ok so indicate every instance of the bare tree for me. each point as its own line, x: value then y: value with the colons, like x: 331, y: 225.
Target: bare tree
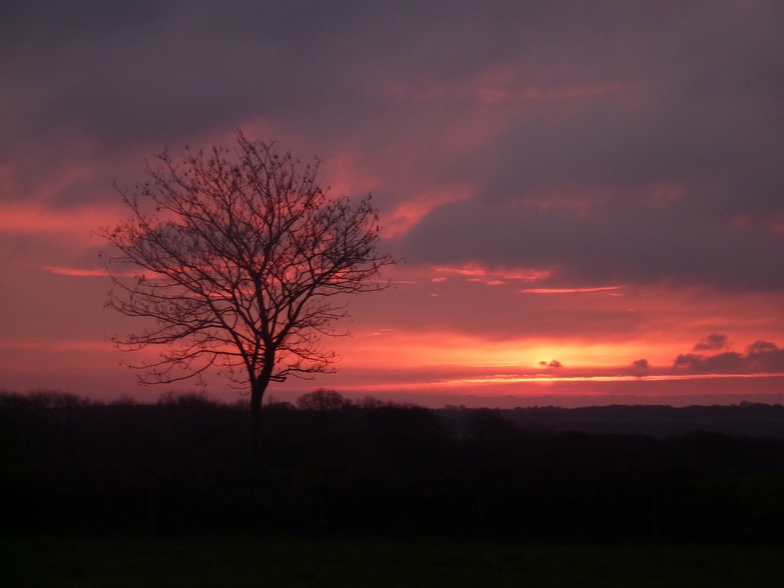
x: 242, y: 262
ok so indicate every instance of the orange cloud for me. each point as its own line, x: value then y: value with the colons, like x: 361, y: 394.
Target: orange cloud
x: 80, y: 272
x: 492, y: 277
x: 568, y: 290
x: 73, y: 271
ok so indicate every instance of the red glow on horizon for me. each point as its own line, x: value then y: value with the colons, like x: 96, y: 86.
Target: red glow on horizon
x: 500, y: 379
x: 506, y: 379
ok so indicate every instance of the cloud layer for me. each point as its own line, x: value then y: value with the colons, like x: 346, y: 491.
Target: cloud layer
x: 560, y: 174
x: 610, y: 141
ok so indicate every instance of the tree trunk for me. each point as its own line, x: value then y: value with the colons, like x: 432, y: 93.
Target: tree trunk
x: 258, y: 387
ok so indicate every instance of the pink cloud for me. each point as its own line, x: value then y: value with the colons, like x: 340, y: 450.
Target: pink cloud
x: 77, y: 224
x: 408, y: 214
x: 345, y: 176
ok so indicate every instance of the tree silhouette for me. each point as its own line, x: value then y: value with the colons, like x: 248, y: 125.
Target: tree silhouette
x: 322, y: 400
x: 242, y: 261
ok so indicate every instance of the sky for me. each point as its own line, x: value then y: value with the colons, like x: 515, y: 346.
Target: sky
x: 588, y: 196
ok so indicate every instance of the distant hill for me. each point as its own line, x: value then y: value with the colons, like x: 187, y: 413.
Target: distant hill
x: 747, y: 419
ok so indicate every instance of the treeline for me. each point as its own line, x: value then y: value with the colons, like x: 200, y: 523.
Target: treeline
x: 333, y: 467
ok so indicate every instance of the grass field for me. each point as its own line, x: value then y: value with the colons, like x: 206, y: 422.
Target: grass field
x: 227, y: 562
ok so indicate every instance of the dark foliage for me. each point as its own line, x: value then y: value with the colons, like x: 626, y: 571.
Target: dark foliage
x: 374, y: 470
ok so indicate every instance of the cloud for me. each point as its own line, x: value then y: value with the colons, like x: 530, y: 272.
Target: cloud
x: 615, y: 243
x: 617, y: 147
x: 711, y: 342
x: 598, y: 144
x: 639, y: 368
x: 474, y: 272
x: 96, y: 272
x: 761, y: 357
x: 761, y: 347
x: 73, y: 271
x: 568, y: 290
x: 552, y: 364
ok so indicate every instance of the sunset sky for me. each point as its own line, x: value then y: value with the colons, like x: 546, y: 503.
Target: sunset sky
x: 589, y: 196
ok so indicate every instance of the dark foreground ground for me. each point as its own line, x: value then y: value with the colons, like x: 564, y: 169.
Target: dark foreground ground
x: 151, y: 563
x: 375, y: 494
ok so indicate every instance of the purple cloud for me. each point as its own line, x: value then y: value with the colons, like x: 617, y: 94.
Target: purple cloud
x: 552, y: 364
x: 631, y: 143
x: 711, y: 342
x: 761, y: 357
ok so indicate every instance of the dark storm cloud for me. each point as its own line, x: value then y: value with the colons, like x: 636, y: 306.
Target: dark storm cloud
x: 613, y: 141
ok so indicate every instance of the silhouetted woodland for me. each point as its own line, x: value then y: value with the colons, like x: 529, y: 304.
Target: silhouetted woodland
x: 333, y: 467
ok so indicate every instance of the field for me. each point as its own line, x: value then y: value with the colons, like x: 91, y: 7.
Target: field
x: 203, y: 562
